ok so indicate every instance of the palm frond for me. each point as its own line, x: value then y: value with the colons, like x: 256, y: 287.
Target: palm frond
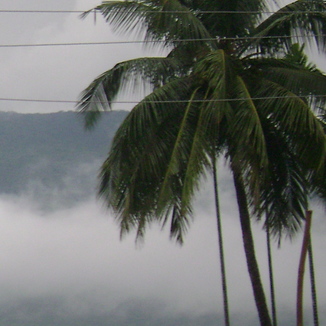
x: 162, y: 21
x: 284, y: 193
x: 231, y: 18
x: 247, y: 146
x: 293, y: 116
x: 298, y: 22
x: 100, y: 94
x: 215, y: 74
x: 306, y: 82
x: 186, y: 165
x: 178, y: 156
x: 133, y: 172
x: 231, y: 102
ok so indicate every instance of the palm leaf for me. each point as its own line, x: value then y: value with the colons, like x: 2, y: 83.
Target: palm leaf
x: 298, y: 22
x: 187, y: 163
x: 132, y: 174
x: 247, y: 144
x: 307, y: 82
x: 178, y: 156
x: 293, y: 116
x: 284, y: 194
x: 162, y: 21
x: 229, y: 18
x: 100, y: 94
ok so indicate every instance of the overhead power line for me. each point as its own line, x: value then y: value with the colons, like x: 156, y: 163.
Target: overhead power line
x: 8, y: 99
x: 159, y: 41
x: 4, y: 11
x: 13, y: 11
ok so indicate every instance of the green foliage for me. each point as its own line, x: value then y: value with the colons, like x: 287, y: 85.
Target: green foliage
x: 100, y: 94
x: 167, y: 21
x: 298, y: 22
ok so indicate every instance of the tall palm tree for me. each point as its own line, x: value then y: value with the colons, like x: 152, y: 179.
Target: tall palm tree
x: 224, y: 85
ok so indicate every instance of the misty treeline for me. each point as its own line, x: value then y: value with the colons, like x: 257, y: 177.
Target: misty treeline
x: 46, y: 152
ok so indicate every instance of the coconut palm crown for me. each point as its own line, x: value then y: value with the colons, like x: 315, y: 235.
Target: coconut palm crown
x: 226, y: 88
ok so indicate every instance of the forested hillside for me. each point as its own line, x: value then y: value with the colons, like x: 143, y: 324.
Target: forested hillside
x: 47, y: 154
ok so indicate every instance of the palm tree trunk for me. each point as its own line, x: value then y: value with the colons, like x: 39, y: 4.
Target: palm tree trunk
x: 313, y: 284
x: 271, y: 273
x: 304, y: 249
x: 221, y: 247
x: 249, y: 249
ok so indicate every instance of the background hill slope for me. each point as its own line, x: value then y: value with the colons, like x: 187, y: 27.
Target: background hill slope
x: 51, y: 157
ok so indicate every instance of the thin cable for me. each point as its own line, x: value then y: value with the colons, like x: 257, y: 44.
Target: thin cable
x: 4, y: 11
x: 157, y: 41
x: 158, y: 101
x: 41, y: 11
x: 8, y: 99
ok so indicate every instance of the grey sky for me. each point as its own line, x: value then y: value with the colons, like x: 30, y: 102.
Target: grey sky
x: 74, y: 255
x: 58, y: 73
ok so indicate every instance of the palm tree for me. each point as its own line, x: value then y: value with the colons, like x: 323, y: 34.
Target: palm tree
x: 224, y: 86
x: 292, y: 190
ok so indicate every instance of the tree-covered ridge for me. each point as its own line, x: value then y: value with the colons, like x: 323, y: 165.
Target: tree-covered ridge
x: 43, y: 150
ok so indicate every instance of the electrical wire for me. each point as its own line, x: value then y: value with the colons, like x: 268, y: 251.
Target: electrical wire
x: 158, y: 101
x: 5, y: 11
x: 160, y: 41
x: 8, y: 11
x: 146, y: 41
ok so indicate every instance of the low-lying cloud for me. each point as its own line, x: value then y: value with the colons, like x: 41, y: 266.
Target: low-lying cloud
x: 71, y: 259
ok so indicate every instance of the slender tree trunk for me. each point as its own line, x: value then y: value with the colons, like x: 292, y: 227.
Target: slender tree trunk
x: 249, y: 249
x: 304, y: 250
x: 221, y: 248
x: 271, y: 273
x: 313, y: 284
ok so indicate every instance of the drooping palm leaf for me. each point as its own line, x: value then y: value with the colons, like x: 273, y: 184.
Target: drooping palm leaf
x: 162, y: 21
x: 140, y: 153
x: 298, y: 22
x: 187, y: 164
x: 247, y: 144
x: 292, y: 115
x: 284, y: 194
x: 100, y: 94
x: 310, y: 85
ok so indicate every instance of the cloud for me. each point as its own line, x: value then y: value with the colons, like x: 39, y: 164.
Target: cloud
x: 74, y: 257
x: 76, y: 184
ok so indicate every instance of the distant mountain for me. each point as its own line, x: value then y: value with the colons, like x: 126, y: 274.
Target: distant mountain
x: 51, y: 157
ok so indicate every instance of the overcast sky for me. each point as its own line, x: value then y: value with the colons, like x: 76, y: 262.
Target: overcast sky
x: 72, y: 258
x: 54, y: 72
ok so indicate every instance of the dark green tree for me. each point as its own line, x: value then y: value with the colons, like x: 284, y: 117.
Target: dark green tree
x: 223, y: 89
